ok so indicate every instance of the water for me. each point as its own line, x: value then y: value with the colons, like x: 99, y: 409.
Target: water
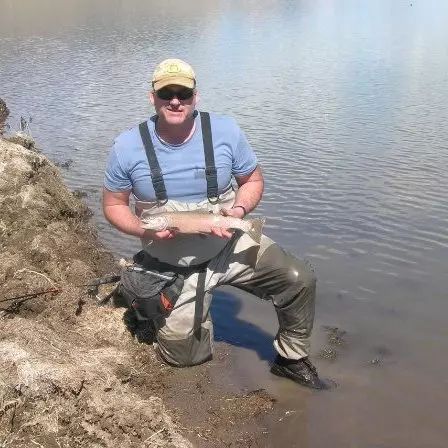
x: 345, y: 104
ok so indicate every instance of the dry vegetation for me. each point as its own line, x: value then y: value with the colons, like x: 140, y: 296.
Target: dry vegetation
x: 62, y: 359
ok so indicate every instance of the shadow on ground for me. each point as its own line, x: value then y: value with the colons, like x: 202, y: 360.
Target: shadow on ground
x: 231, y: 329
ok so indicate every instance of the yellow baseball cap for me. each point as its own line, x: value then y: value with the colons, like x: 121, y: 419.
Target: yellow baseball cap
x: 173, y: 71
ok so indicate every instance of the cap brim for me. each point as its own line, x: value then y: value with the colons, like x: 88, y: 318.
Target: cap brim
x: 174, y: 80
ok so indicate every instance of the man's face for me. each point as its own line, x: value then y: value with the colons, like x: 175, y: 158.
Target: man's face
x: 174, y: 104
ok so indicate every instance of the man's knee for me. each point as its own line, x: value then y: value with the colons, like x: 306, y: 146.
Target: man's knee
x: 189, y: 349
x: 302, y: 273
x: 284, y: 272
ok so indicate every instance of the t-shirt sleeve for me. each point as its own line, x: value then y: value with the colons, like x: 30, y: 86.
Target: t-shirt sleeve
x: 115, y: 177
x: 244, y: 158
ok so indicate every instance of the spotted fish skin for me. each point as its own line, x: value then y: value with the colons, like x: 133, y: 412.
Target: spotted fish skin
x: 201, y: 222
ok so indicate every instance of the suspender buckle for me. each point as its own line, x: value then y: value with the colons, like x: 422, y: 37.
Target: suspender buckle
x: 213, y: 199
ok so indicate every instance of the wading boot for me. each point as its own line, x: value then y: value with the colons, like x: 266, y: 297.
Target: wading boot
x: 143, y: 330
x: 300, y: 371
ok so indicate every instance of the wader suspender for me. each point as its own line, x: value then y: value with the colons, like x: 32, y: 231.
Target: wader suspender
x: 210, y: 167
x: 156, y: 172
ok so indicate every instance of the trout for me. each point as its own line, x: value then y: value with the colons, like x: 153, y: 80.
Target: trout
x: 201, y: 222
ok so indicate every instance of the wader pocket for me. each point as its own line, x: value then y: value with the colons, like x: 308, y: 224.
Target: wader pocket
x: 149, y: 295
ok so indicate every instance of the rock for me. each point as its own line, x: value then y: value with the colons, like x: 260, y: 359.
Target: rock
x: 4, y: 113
x: 23, y: 139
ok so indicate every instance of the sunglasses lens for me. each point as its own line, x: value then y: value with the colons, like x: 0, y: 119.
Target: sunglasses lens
x: 164, y: 94
x: 167, y: 94
x: 185, y: 94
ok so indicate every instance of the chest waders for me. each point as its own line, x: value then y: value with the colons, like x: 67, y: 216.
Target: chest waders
x: 185, y: 336
x: 162, y: 198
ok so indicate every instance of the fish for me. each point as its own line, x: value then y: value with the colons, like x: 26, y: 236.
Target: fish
x: 194, y: 222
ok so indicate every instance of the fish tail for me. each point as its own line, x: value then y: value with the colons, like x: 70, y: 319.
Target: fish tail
x: 256, y: 228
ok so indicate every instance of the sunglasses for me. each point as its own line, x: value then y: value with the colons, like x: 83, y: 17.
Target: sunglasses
x: 167, y: 94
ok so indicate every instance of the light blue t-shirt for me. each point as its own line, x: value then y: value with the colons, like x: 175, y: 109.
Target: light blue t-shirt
x: 183, y: 166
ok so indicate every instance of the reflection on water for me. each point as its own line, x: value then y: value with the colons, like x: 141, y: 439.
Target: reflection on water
x: 345, y: 103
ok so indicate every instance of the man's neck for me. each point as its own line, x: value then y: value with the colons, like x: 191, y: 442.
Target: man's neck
x: 175, y: 134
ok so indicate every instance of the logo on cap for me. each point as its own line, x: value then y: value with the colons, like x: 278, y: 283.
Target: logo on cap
x: 173, y: 68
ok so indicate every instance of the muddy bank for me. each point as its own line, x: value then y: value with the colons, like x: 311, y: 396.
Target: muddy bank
x: 71, y: 375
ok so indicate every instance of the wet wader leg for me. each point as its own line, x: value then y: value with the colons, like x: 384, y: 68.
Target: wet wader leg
x: 268, y: 272
x: 290, y: 284
x: 186, y: 338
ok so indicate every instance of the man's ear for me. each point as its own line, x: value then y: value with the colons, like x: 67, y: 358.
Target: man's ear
x: 197, y: 98
x: 151, y: 97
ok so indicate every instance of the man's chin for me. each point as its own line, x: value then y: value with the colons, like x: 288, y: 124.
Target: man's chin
x: 175, y: 119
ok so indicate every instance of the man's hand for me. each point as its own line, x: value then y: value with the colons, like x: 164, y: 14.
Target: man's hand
x: 236, y: 212
x: 117, y: 212
x: 162, y: 235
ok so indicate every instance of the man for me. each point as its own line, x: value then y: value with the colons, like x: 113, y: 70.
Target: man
x: 184, y: 160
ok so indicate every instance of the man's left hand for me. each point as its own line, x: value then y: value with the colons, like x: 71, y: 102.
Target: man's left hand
x: 236, y: 212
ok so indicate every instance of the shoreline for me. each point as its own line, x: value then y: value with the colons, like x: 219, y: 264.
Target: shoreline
x: 71, y: 373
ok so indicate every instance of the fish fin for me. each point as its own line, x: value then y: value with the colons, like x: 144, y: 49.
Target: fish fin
x: 256, y: 228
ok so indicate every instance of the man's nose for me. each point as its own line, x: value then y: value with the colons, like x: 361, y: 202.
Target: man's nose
x: 175, y: 101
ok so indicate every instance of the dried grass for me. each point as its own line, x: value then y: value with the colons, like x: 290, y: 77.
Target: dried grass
x: 59, y: 368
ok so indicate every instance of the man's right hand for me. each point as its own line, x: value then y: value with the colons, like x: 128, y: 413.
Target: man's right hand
x: 117, y: 212
x: 162, y: 235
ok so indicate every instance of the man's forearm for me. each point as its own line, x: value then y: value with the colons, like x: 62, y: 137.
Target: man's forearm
x: 121, y: 217
x: 249, y: 195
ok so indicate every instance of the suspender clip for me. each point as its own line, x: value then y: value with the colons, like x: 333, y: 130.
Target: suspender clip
x: 213, y: 199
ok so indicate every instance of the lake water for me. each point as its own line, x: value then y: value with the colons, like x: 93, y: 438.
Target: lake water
x: 345, y: 103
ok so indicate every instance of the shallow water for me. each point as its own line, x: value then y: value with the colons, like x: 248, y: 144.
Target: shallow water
x: 345, y: 104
